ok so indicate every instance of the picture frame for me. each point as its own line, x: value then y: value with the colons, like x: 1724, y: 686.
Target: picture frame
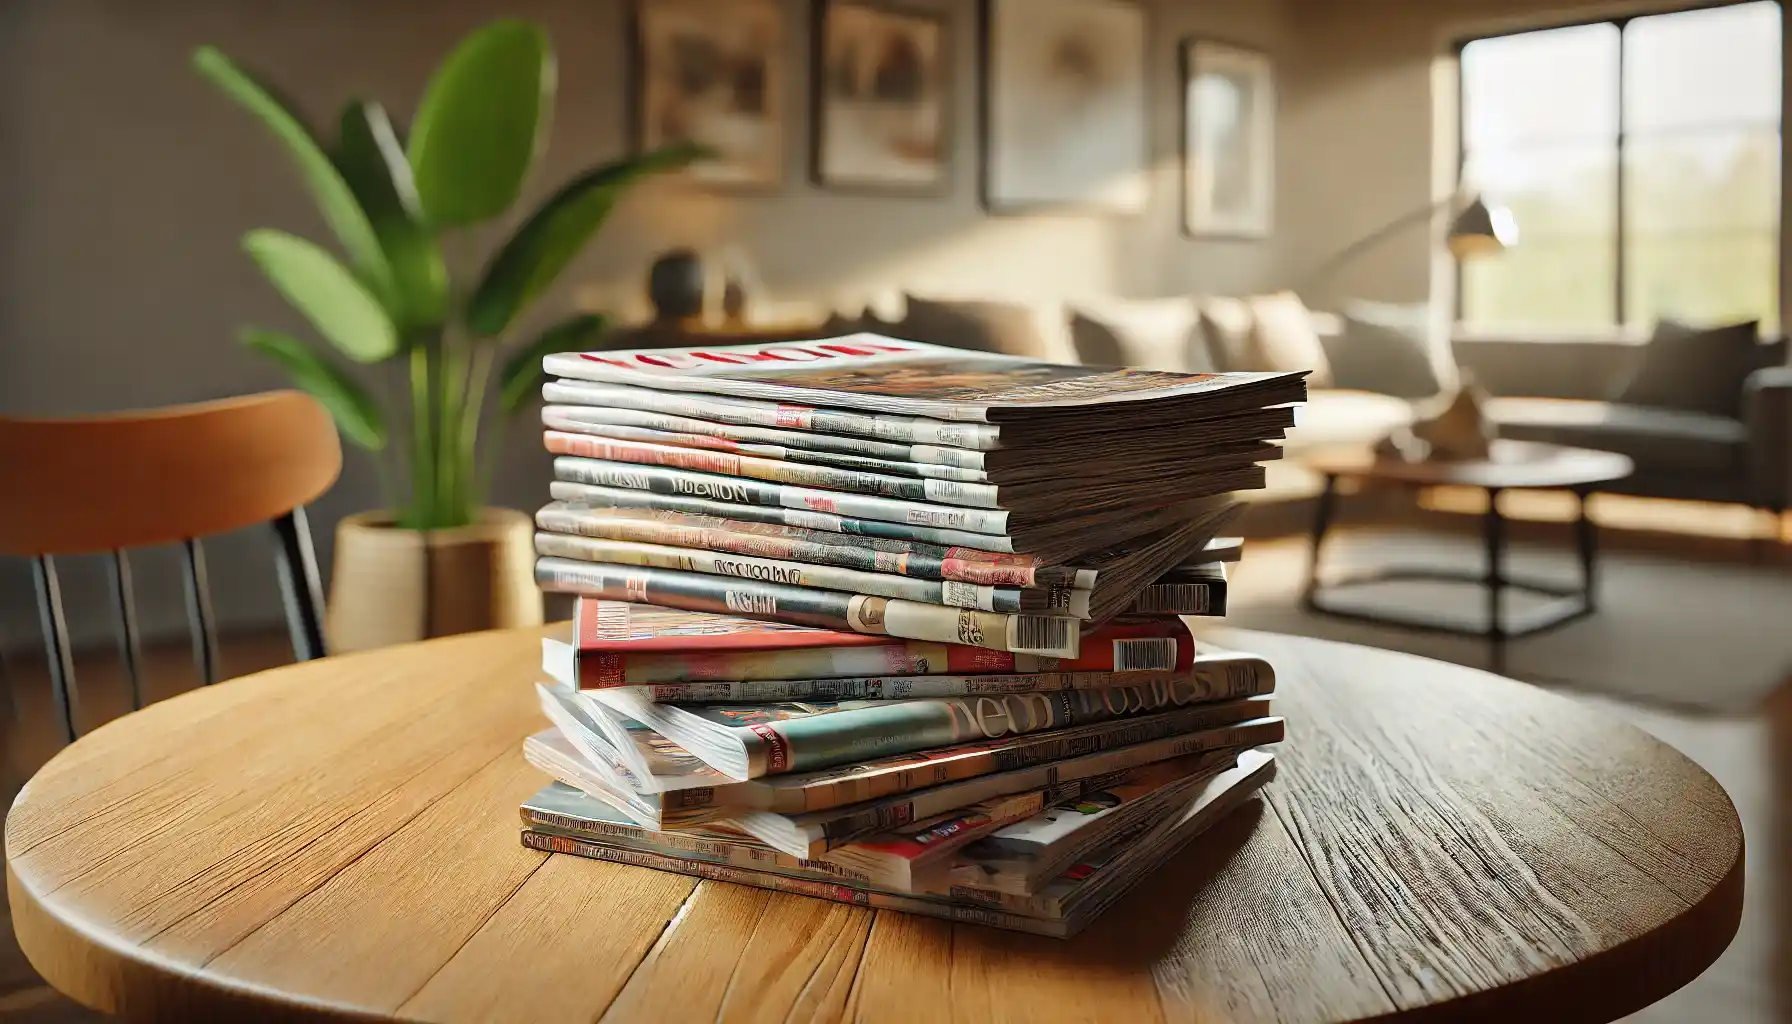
x: 1227, y: 182
x: 1064, y: 107
x: 881, y: 99
x: 714, y: 72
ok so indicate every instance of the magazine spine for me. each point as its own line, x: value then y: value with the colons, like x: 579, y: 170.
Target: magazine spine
x: 800, y: 544
x: 1047, y: 635
x: 748, y: 491
x: 1182, y: 731
x: 799, y: 574
x: 799, y: 474
x: 834, y: 891
x: 891, y: 687
x: 902, y: 428
x: 585, y: 483
x: 825, y: 831
x: 688, y: 845
x: 599, y: 419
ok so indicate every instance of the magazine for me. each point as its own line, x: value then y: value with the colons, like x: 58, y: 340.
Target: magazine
x: 1184, y: 590
x: 1059, y: 601
x: 763, y: 442
x: 682, y: 779
x: 729, y: 464
x: 1062, y: 910
x: 1219, y: 675
x: 951, y: 444
x: 750, y: 740
x: 907, y: 379
x: 1027, y: 855
x: 813, y: 833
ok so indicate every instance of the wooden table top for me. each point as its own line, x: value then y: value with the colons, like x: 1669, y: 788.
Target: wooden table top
x: 1514, y: 464
x: 339, y: 838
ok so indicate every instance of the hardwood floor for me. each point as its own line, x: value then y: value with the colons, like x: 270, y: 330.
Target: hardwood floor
x: 1751, y: 755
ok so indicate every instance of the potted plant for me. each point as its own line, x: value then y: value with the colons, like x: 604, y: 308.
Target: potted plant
x: 410, y: 294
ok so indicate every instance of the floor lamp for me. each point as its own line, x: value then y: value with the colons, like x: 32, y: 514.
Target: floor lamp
x: 1478, y: 229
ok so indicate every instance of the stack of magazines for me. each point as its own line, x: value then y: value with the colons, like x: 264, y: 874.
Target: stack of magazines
x: 897, y: 625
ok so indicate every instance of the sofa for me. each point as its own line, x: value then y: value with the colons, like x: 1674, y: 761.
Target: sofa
x: 1544, y: 388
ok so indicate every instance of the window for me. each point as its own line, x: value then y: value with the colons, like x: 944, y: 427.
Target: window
x: 1641, y: 160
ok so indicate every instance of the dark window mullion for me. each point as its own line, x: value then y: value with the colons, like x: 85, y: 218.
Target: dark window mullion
x: 1618, y: 193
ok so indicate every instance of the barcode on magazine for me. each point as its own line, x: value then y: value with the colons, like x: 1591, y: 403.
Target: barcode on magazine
x: 1149, y: 654
x: 1181, y: 598
x: 1041, y: 633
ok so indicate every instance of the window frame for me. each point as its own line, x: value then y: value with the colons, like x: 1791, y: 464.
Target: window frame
x: 1621, y: 140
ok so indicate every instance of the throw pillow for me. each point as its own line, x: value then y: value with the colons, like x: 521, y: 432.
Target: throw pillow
x: 1696, y: 369
x: 1230, y: 330
x: 977, y: 325
x: 1389, y: 350
x: 1285, y: 336
x: 1151, y: 334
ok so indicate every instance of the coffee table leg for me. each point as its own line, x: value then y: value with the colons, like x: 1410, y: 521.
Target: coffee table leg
x: 1586, y: 536
x: 1494, y: 528
x: 1322, y: 521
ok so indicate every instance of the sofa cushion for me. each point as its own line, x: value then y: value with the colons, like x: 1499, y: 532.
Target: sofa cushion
x: 1285, y: 339
x: 1228, y: 328
x: 978, y: 325
x: 1153, y: 334
x: 1658, y: 440
x: 1389, y: 349
x: 1337, y: 418
x: 1695, y: 369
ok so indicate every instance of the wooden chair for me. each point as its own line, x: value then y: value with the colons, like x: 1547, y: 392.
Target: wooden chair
x: 164, y: 476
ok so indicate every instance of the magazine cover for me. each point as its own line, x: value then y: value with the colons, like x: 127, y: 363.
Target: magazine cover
x: 1185, y: 590
x: 747, y: 740
x: 887, y: 375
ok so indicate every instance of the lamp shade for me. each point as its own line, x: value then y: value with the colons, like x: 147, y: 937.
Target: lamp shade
x: 1481, y: 230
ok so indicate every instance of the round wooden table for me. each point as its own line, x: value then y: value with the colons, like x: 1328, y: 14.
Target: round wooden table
x: 339, y: 838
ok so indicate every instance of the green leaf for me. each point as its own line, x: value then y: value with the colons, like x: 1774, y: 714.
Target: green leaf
x: 476, y: 133
x: 373, y: 163
x: 522, y: 373
x: 333, y: 196
x: 340, y: 307
x: 357, y: 417
x: 554, y: 234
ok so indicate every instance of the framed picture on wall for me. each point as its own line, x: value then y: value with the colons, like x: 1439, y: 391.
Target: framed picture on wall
x: 882, y: 100
x: 1228, y: 141
x: 713, y: 71
x: 1064, y: 107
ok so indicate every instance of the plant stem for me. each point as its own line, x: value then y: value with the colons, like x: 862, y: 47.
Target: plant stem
x: 453, y: 504
x: 421, y: 512
x: 477, y: 385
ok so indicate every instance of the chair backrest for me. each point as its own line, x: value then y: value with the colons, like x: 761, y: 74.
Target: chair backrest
x: 162, y: 476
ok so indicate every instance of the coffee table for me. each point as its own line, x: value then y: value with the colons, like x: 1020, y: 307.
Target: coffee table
x: 1510, y: 465
x: 340, y: 839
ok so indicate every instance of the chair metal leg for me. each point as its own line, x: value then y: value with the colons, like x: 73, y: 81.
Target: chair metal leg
x: 56, y: 643
x: 199, y: 613
x: 129, y: 648
x: 300, y: 590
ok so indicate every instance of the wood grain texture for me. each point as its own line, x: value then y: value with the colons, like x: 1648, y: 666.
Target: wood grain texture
x: 338, y: 840
x: 186, y: 471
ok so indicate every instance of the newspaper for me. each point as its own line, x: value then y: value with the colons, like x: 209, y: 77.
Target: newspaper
x: 1051, y: 635
x: 1064, y: 601
x: 901, y: 379
x: 760, y: 442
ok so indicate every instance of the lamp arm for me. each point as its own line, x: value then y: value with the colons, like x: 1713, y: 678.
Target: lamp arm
x: 1343, y: 256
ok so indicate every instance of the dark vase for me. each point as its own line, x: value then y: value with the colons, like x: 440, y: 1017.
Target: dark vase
x: 675, y: 285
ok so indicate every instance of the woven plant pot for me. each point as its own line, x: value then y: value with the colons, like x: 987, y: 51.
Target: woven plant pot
x: 393, y: 586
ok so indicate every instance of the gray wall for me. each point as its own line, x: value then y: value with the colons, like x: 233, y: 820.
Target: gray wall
x: 125, y: 184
